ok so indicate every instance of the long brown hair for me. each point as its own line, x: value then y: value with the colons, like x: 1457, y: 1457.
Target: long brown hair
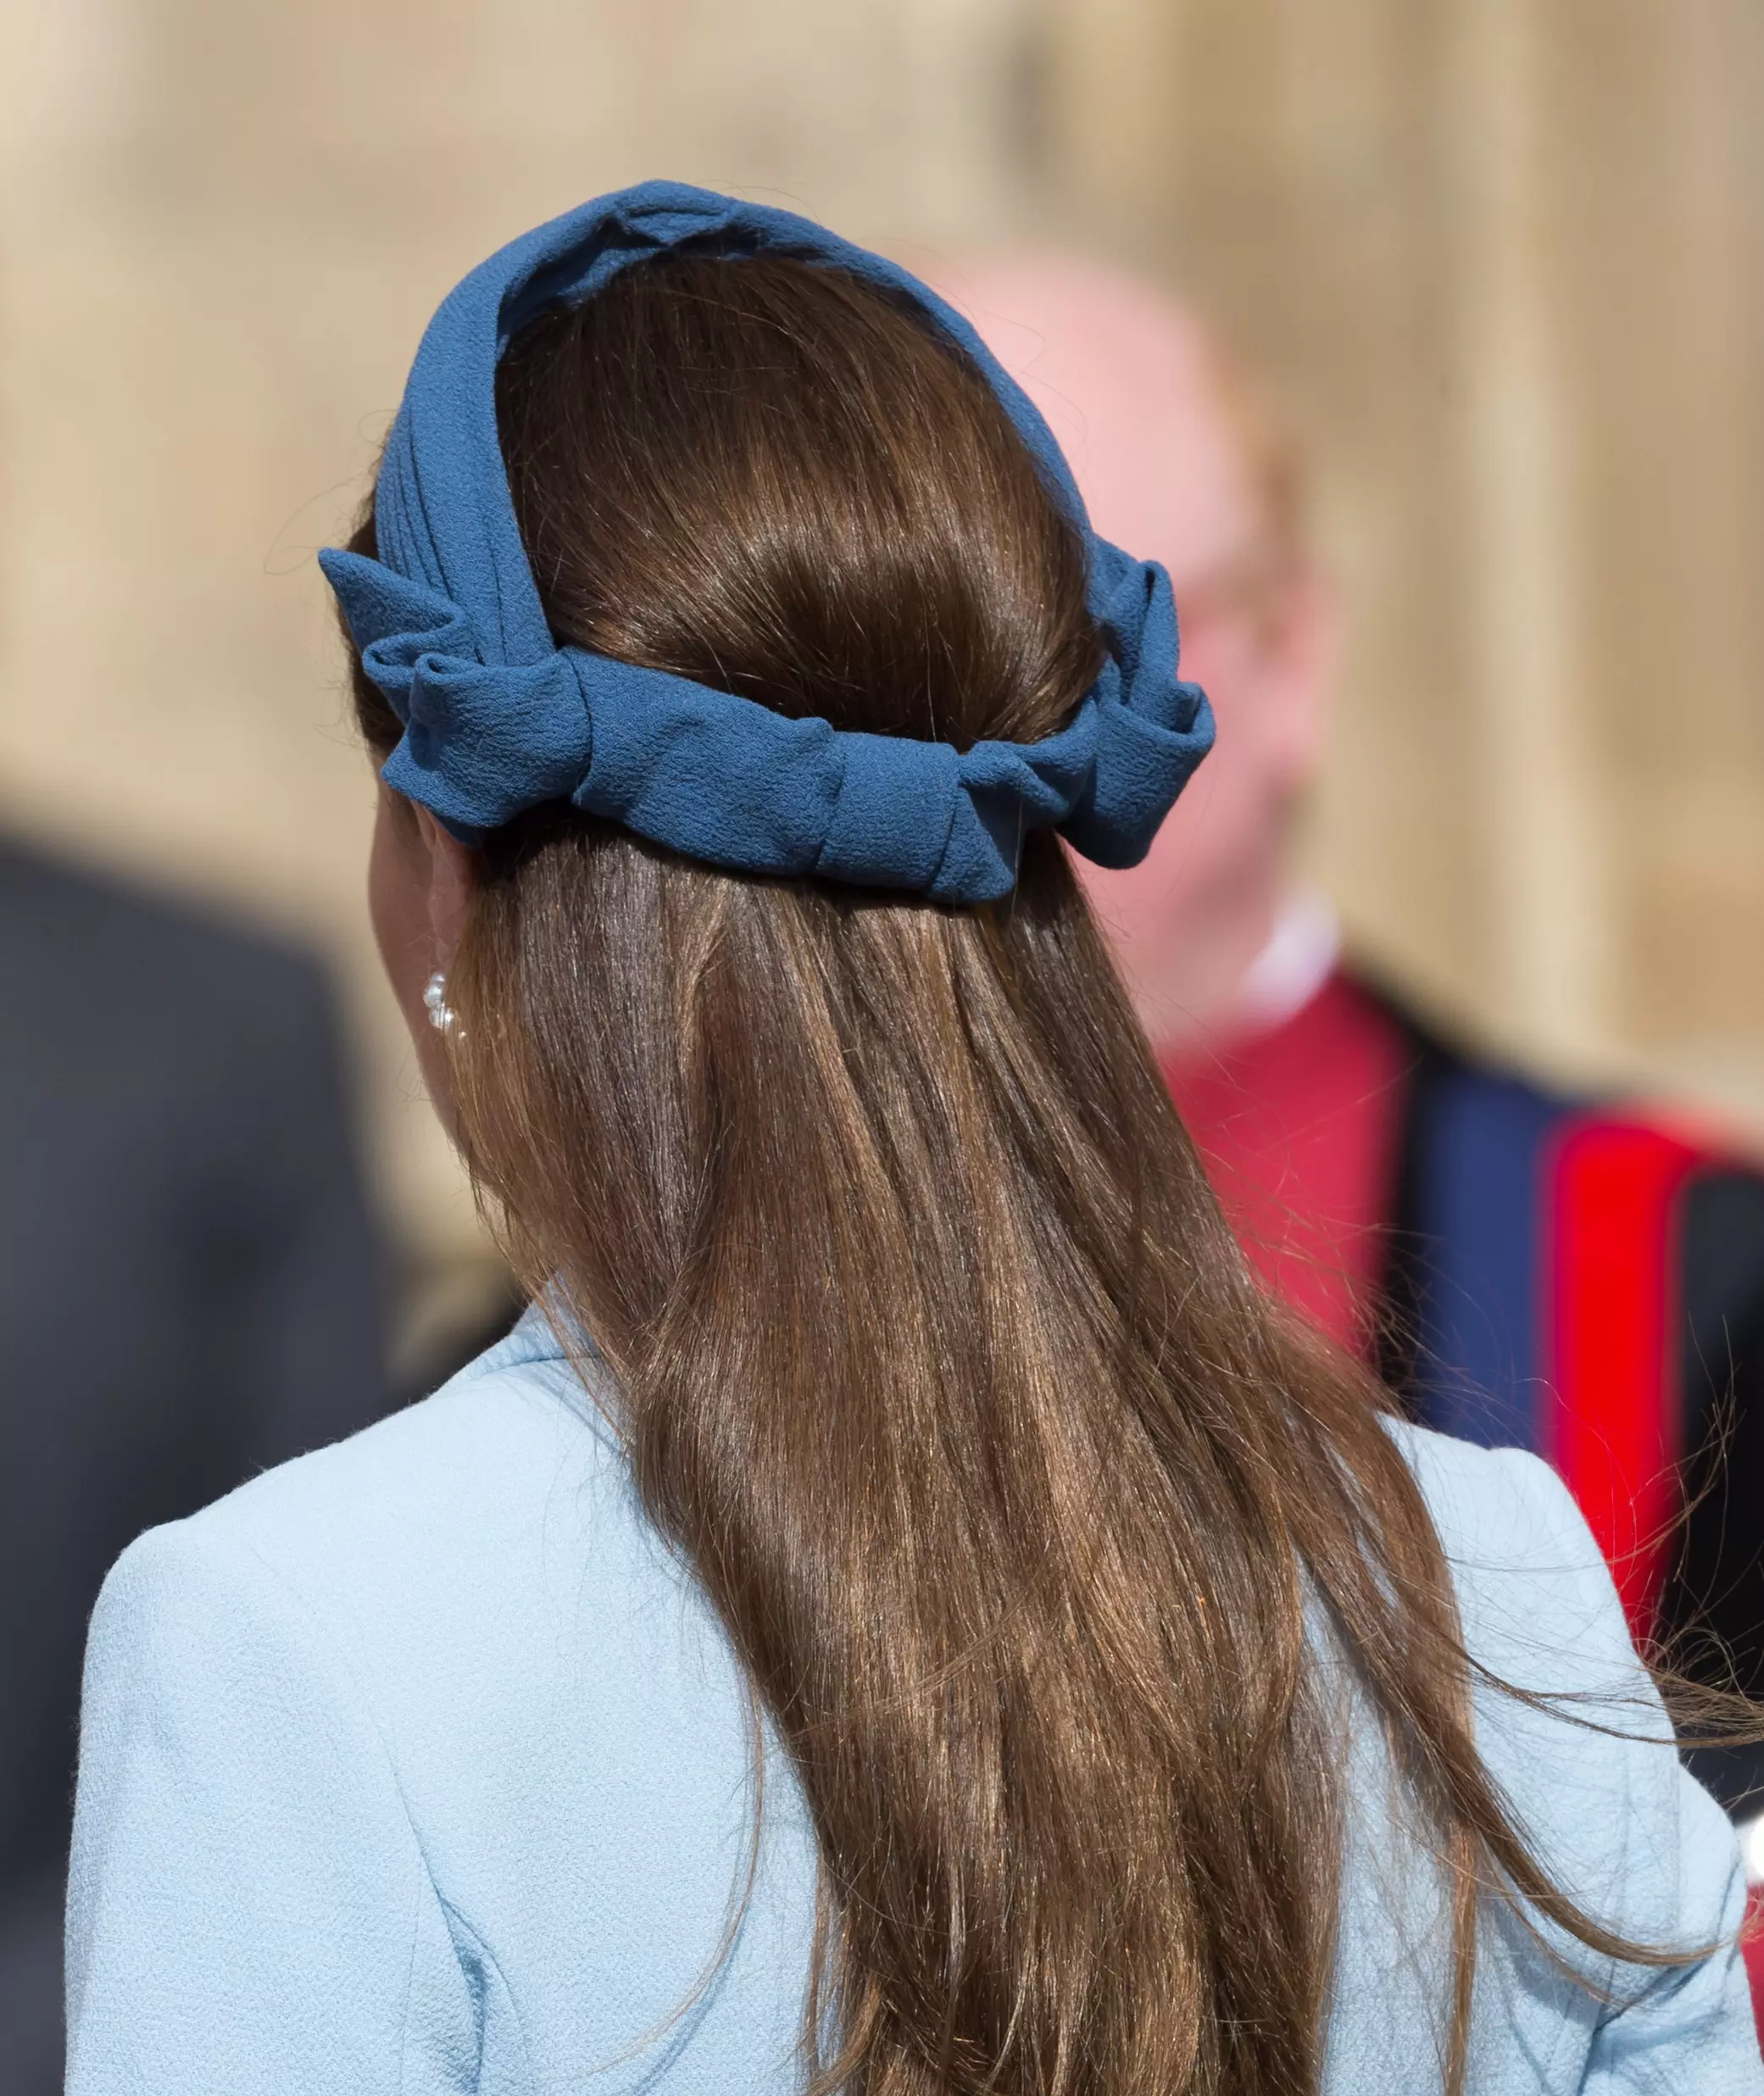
x: 1029, y: 1516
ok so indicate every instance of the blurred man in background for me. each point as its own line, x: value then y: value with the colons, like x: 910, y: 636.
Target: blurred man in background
x: 1528, y: 1269
x: 190, y: 1291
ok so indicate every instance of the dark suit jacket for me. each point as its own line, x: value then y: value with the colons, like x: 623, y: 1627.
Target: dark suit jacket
x: 190, y: 1291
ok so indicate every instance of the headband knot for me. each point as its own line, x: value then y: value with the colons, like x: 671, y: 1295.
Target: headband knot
x: 497, y: 718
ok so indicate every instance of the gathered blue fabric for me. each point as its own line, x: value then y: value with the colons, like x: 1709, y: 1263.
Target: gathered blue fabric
x: 498, y: 719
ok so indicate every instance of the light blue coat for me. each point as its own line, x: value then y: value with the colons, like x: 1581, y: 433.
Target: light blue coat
x: 417, y: 1765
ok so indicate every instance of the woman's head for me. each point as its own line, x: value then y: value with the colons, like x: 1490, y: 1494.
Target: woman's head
x: 932, y: 1354
x: 862, y: 537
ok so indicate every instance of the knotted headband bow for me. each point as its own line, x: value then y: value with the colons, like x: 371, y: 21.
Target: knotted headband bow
x: 499, y: 717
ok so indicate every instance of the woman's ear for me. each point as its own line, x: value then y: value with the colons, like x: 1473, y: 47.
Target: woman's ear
x: 453, y: 875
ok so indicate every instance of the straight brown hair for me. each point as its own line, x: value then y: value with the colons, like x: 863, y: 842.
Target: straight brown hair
x: 1045, y: 1539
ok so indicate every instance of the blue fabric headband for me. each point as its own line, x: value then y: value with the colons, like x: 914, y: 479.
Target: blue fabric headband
x: 498, y: 719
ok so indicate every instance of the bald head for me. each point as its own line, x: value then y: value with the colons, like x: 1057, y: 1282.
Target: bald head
x: 1176, y: 465
x: 1133, y: 386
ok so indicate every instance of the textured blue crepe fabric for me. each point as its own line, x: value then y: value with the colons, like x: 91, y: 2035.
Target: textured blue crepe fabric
x: 498, y: 719
x: 419, y: 1767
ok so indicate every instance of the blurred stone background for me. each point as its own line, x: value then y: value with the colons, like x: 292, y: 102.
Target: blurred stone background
x: 1498, y: 261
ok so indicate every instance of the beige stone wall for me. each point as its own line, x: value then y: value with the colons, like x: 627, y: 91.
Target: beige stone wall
x: 1500, y: 258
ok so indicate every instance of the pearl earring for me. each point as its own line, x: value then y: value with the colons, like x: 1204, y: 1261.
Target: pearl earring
x: 441, y: 1015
